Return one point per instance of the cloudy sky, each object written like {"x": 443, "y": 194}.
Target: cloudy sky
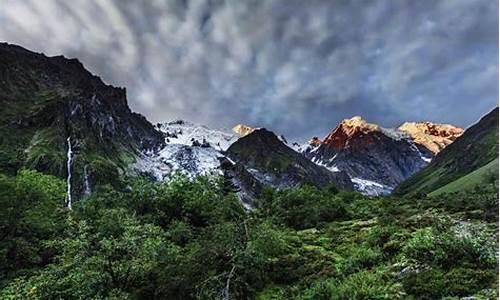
{"x": 297, "y": 67}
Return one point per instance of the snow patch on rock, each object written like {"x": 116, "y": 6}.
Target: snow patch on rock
{"x": 191, "y": 149}
{"x": 370, "y": 188}
{"x": 176, "y": 158}
{"x": 321, "y": 163}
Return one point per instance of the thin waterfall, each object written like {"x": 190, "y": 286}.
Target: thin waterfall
{"x": 68, "y": 165}
{"x": 86, "y": 184}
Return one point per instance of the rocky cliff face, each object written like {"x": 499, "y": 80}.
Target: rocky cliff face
{"x": 375, "y": 158}
{"x": 434, "y": 137}
{"x": 46, "y": 100}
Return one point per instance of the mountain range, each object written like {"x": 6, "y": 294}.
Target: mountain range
{"x": 377, "y": 159}
{"x": 60, "y": 119}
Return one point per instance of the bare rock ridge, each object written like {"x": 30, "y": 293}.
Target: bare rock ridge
{"x": 476, "y": 147}
{"x": 243, "y": 130}
{"x": 434, "y": 137}
{"x": 349, "y": 129}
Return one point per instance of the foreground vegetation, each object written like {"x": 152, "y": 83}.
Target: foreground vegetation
{"x": 187, "y": 239}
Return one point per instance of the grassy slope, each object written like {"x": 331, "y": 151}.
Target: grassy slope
{"x": 471, "y": 180}
{"x": 369, "y": 246}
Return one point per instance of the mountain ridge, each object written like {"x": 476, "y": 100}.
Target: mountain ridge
{"x": 48, "y": 100}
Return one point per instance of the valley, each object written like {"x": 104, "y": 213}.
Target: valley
{"x": 98, "y": 203}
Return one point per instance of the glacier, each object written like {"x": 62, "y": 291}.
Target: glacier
{"x": 191, "y": 149}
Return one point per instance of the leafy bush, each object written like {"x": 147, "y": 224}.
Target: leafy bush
{"x": 303, "y": 207}
{"x": 390, "y": 239}
{"x": 436, "y": 283}
{"x": 31, "y": 213}
{"x": 359, "y": 258}
{"x": 362, "y": 285}
{"x": 192, "y": 239}
{"x": 97, "y": 261}
{"x": 447, "y": 248}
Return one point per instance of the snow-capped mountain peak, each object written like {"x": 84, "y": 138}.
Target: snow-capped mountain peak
{"x": 434, "y": 137}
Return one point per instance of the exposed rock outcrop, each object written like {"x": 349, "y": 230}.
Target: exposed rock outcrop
{"x": 243, "y": 130}
{"x": 434, "y": 137}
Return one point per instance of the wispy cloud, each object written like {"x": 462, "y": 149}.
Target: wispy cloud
{"x": 295, "y": 66}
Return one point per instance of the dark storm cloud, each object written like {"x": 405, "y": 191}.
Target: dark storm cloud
{"x": 297, "y": 67}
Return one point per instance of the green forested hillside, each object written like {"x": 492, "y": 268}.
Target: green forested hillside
{"x": 475, "y": 148}
{"x": 192, "y": 239}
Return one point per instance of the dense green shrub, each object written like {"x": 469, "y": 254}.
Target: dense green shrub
{"x": 303, "y": 207}
{"x": 118, "y": 255}
{"x": 31, "y": 213}
{"x": 435, "y": 283}
{"x": 362, "y": 285}
{"x": 390, "y": 239}
{"x": 446, "y": 247}
{"x": 359, "y": 258}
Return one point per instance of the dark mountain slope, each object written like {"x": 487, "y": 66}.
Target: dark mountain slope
{"x": 273, "y": 163}
{"x": 475, "y": 148}
{"x": 45, "y": 100}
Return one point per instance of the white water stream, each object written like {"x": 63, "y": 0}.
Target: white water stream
{"x": 87, "y": 191}
{"x": 68, "y": 165}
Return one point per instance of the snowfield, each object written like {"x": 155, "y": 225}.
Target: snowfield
{"x": 190, "y": 149}
{"x": 370, "y": 188}
{"x": 186, "y": 133}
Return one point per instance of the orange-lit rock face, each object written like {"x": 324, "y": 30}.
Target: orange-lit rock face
{"x": 432, "y": 136}
{"x": 349, "y": 129}
{"x": 315, "y": 141}
{"x": 243, "y": 130}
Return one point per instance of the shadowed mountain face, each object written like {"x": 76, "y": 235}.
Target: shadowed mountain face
{"x": 46, "y": 100}
{"x": 273, "y": 163}
{"x": 475, "y": 148}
